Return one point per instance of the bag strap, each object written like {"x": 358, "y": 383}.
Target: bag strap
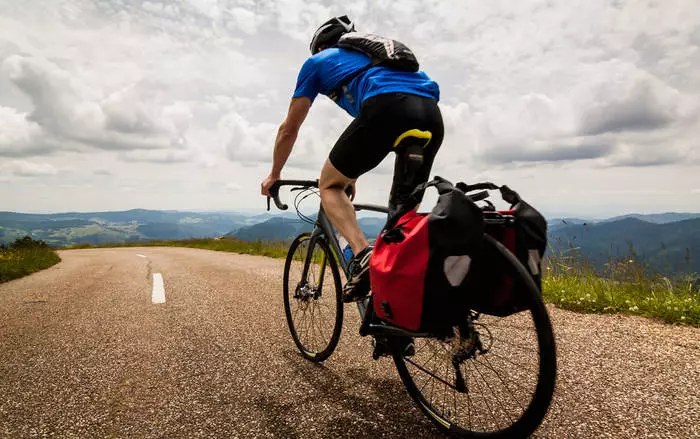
{"x": 343, "y": 87}
{"x": 412, "y": 201}
{"x": 442, "y": 186}
{"x": 475, "y": 187}
{"x": 508, "y": 194}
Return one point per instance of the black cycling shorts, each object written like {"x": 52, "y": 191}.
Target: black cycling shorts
{"x": 371, "y": 136}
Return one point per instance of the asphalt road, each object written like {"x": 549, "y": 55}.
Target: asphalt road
{"x": 85, "y": 353}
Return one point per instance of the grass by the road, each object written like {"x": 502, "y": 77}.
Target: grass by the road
{"x": 270, "y": 249}
{"x": 15, "y": 263}
{"x": 623, "y": 290}
{"x": 569, "y": 283}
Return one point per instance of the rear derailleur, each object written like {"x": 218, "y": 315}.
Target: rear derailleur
{"x": 466, "y": 344}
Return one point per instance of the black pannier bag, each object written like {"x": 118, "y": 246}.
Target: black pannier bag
{"x": 522, "y": 230}
{"x": 421, "y": 260}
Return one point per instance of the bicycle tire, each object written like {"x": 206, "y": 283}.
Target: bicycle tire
{"x": 312, "y": 352}
{"x": 534, "y": 414}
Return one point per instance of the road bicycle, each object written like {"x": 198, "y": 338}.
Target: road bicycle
{"x": 492, "y": 377}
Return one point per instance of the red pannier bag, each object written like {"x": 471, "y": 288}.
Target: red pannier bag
{"x": 490, "y": 288}
{"x": 419, "y": 264}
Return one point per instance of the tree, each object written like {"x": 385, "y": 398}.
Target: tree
{"x": 27, "y": 242}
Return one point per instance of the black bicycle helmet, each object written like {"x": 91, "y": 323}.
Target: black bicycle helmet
{"x": 329, "y": 32}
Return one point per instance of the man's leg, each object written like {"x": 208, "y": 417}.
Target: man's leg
{"x": 338, "y": 207}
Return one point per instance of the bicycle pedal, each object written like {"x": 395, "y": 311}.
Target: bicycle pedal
{"x": 381, "y": 349}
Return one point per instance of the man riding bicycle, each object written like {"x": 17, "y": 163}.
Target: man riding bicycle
{"x": 394, "y": 110}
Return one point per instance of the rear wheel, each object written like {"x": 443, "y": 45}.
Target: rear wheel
{"x": 495, "y": 376}
{"x": 313, "y": 304}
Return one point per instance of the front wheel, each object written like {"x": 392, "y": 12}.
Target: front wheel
{"x": 313, "y": 302}
{"x": 495, "y": 376}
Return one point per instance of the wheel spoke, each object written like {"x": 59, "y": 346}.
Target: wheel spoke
{"x": 491, "y": 390}
{"x": 514, "y": 363}
{"x": 432, "y": 375}
{"x": 488, "y": 364}
{"x": 486, "y": 401}
{"x": 315, "y": 318}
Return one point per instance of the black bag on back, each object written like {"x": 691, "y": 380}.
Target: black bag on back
{"x": 383, "y": 51}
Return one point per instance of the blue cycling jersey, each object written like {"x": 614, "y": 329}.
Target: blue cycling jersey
{"x": 323, "y": 73}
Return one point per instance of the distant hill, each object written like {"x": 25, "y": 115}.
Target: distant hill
{"x": 287, "y": 228}
{"x": 122, "y": 226}
{"x": 668, "y": 247}
{"x": 657, "y": 218}
{"x": 273, "y": 229}
{"x": 560, "y": 223}
{"x": 669, "y": 242}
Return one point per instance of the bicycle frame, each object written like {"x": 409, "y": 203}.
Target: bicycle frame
{"x": 323, "y": 227}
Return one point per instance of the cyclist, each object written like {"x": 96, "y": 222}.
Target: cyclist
{"x": 385, "y": 103}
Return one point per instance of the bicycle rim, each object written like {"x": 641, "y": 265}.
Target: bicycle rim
{"x": 507, "y": 388}
{"x": 313, "y": 305}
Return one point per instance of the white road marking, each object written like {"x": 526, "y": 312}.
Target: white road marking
{"x": 158, "y": 295}
{"x": 140, "y": 255}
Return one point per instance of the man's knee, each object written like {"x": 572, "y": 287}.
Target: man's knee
{"x": 329, "y": 185}
{"x": 332, "y": 179}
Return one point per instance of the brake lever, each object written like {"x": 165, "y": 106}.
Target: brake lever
{"x": 280, "y": 205}
{"x": 275, "y": 192}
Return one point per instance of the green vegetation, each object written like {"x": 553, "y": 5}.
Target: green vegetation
{"x": 276, "y": 249}
{"x": 624, "y": 286}
{"x": 25, "y": 256}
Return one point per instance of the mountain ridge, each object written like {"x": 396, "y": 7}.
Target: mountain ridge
{"x": 654, "y": 236}
{"x": 673, "y": 246}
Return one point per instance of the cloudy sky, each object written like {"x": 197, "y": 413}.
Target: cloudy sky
{"x": 587, "y": 107}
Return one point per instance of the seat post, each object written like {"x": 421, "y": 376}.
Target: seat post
{"x": 409, "y": 172}
{"x": 407, "y": 175}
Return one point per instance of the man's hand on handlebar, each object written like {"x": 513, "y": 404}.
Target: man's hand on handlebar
{"x": 271, "y": 188}
{"x": 267, "y": 184}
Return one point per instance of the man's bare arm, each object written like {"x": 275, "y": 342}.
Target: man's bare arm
{"x": 287, "y": 134}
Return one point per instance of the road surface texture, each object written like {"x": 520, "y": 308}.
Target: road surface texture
{"x": 85, "y": 353}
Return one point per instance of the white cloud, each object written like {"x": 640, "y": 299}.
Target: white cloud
{"x": 18, "y": 136}
{"x": 531, "y": 91}
{"x": 158, "y": 156}
{"x": 68, "y": 109}
{"x": 248, "y": 142}
{"x": 23, "y": 168}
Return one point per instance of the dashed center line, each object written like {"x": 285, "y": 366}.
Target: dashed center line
{"x": 140, "y": 255}
{"x": 158, "y": 295}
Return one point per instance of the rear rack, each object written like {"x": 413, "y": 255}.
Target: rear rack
{"x": 496, "y": 217}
